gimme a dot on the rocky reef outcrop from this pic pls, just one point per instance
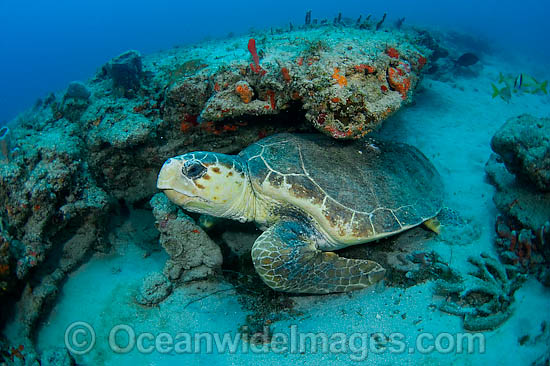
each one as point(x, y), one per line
point(520, 174)
point(49, 196)
point(346, 83)
point(193, 255)
point(125, 72)
point(523, 144)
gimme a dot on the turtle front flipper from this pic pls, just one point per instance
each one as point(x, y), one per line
point(287, 259)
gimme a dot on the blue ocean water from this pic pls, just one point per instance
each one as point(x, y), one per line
point(46, 44)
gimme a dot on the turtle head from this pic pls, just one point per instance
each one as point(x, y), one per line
point(206, 182)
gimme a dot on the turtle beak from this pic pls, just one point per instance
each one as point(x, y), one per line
point(171, 182)
point(178, 198)
point(167, 175)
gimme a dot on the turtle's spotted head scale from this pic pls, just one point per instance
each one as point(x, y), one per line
point(210, 183)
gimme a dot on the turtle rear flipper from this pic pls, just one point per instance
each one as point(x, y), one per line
point(287, 259)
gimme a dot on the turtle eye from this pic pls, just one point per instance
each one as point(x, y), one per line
point(193, 169)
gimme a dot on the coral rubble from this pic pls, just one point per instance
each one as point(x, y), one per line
point(483, 298)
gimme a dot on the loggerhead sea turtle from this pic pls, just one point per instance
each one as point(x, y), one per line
point(312, 195)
